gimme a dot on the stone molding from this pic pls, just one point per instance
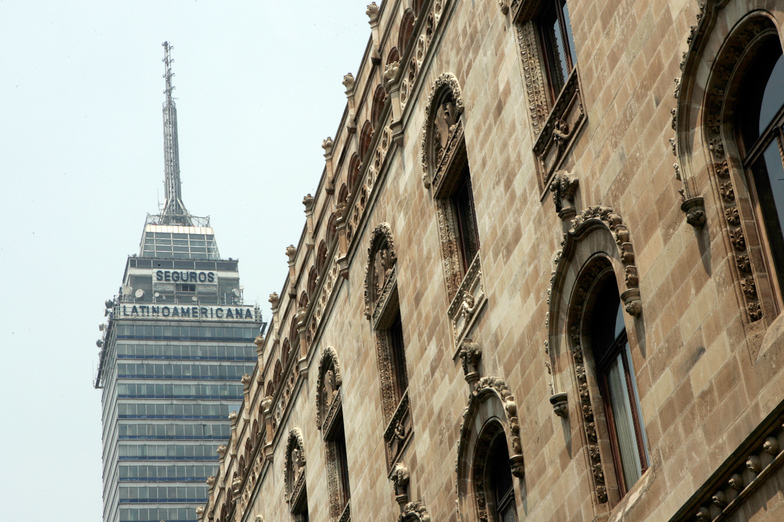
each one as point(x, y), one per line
point(445, 82)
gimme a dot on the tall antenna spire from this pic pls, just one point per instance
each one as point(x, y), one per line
point(174, 212)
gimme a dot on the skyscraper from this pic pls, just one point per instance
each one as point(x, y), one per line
point(177, 342)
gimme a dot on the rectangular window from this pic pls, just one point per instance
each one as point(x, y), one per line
point(555, 31)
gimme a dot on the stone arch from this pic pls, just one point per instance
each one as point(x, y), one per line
point(381, 240)
point(303, 300)
point(354, 165)
point(285, 352)
point(365, 137)
point(491, 408)
point(294, 464)
point(407, 23)
point(332, 228)
point(705, 144)
point(444, 86)
point(379, 101)
point(327, 363)
point(277, 374)
point(596, 243)
point(321, 257)
point(270, 388)
point(312, 280)
point(392, 56)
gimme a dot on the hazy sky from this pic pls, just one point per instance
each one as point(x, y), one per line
point(258, 86)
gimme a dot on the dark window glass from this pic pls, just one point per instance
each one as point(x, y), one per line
point(397, 348)
point(557, 44)
point(468, 237)
point(760, 120)
point(618, 386)
point(499, 480)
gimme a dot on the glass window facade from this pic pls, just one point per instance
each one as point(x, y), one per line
point(168, 386)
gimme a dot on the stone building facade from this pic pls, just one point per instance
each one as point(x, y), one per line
point(540, 279)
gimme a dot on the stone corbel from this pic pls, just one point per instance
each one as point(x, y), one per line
point(632, 302)
point(695, 211)
point(563, 188)
point(291, 253)
point(560, 404)
point(372, 12)
point(211, 483)
point(221, 452)
point(348, 83)
point(400, 479)
point(328, 145)
point(504, 6)
point(307, 201)
point(471, 354)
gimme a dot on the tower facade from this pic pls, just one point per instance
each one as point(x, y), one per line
point(174, 351)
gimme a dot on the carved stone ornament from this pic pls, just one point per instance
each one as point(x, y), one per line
point(382, 258)
point(560, 129)
point(390, 71)
point(468, 300)
point(471, 354)
point(560, 404)
point(400, 479)
point(328, 384)
point(398, 431)
point(372, 12)
point(274, 300)
point(327, 145)
point(563, 188)
point(586, 221)
point(348, 83)
point(695, 211)
point(294, 466)
point(445, 92)
point(291, 252)
point(414, 512)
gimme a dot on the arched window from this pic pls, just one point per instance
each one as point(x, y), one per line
point(492, 457)
point(312, 280)
point(760, 129)
point(617, 382)
point(294, 479)
point(365, 137)
point(285, 352)
point(329, 419)
point(379, 99)
point(392, 57)
point(321, 258)
point(406, 31)
point(383, 309)
point(332, 228)
point(353, 175)
point(303, 300)
point(489, 454)
point(447, 170)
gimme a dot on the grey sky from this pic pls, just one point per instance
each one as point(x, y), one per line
point(258, 86)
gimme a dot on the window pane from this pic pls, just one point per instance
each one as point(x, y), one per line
point(624, 423)
point(773, 98)
point(769, 181)
point(569, 37)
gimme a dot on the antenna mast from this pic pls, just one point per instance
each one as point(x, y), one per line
point(174, 212)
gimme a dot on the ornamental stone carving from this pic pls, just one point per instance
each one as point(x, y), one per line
point(328, 384)
point(442, 111)
point(382, 258)
point(294, 466)
point(414, 512)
